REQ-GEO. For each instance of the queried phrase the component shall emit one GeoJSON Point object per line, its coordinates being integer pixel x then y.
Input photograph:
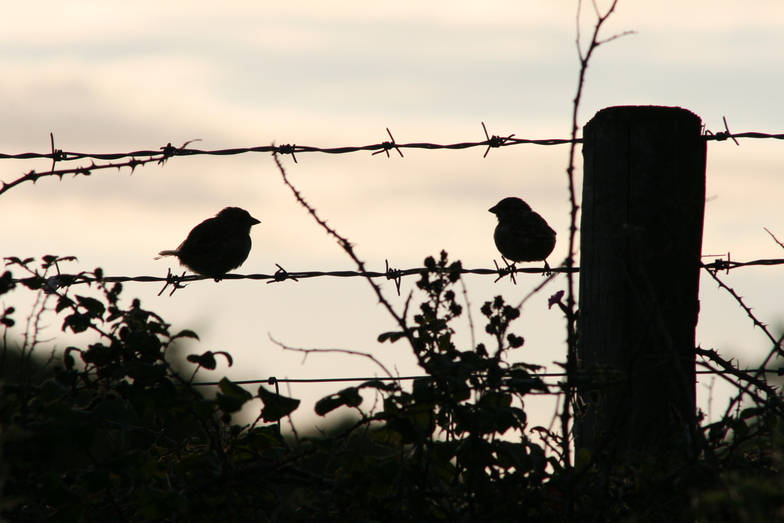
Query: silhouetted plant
{"type": "Point", "coordinates": [117, 433]}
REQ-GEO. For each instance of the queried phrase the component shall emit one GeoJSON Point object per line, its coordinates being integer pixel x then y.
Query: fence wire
{"type": "Point", "coordinates": [396, 275]}
{"type": "Point", "coordinates": [274, 381]}
{"type": "Point", "coordinates": [135, 159]}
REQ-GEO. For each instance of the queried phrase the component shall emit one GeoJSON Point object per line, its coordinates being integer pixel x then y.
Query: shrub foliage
{"type": "Point", "coordinates": [118, 430]}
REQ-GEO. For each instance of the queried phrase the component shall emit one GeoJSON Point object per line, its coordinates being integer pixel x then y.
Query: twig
{"type": "Point", "coordinates": [342, 351]}
{"type": "Point", "coordinates": [571, 327]}
{"type": "Point", "coordinates": [348, 248]}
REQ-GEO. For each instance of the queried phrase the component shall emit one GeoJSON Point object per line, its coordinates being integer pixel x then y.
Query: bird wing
{"type": "Point", "coordinates": [531, 226]}
{"type": "Point", "coordinates": [205, 237]}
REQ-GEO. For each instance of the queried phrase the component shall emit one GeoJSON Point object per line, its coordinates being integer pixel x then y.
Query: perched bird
{"type": "Point", "coordinates": [217, 245]}
{"type": "Point", "coordinates": [521, 234]}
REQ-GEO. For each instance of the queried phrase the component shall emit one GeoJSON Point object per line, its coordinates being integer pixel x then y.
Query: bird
{"type": "Point", "coordinates": [521, 234]}
{"type": "Point", "coordinates": [217, 245]}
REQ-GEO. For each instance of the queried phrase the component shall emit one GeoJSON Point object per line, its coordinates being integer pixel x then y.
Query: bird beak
{"type": "Point", "coordinates": [492, 209]}
{"type": "Point", "coordinates": [254, 222]}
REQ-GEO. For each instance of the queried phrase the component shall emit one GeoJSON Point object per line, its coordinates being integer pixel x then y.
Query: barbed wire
{"type": "Point", "coordinates": [491, 142]}
{"type": "Point", "coordinates": [281, 275]}
{"type": "Point", "coordinates": [169, 151]}
{"type": "Point", "coordinates": [160, 156]}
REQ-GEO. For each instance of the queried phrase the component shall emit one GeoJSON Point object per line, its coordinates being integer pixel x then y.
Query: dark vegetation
{"type": "Point", "coordinates": [118, 431]}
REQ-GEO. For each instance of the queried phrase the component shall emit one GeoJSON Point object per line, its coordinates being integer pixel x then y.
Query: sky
{"type": "Point", "coordinates": [121, 76]}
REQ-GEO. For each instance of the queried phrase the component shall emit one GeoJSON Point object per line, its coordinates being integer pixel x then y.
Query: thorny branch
{"type": "Point", "coordinates": [348, 248]}
{"type": "Point", "coordinates": [571, 302]}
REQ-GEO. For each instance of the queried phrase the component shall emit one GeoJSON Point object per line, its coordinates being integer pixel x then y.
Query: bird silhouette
{"type": "Point", "coordinates": [217, 245]}
{"type": "Point", "coordinates": [521, 234]}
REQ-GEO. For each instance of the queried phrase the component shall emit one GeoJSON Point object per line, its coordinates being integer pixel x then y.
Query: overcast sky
{"type": "Point", "coordinates": [122, 76]}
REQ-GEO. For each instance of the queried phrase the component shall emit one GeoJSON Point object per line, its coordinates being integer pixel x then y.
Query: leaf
{"type": "Point", "coordinates": [13, 260]}
{"type": "Point", "coordinates": [92, 305]}
{"type": "Point", "coordinates": [494, 400]}
{"type": "Point", "coordinates": [275, 405]}
{"type": "Point", "coordinates": [392, 337]}
{"type": "Point", "coordinates": [378, 384]}
{"type": "Point", "coordinates": [228, 404]}
{"type": "Point", "coordinates": [63, 303]}
{"type": "Point", "coordinates": [260, 438]}
{"type": "Point", "coordinates": [526, 385]}
{"type": "Point", "coordinates": [515, 341]}
{"type": "Point", "coordinates": [232, 389]}
{"type": "Point", "coordinates": [227, 356]}
{"type": "Point", "coordinates": [206, 360]}
{"type": "Point", "coordinates": [77, 322]}
{"type": "Point", "coordinates": [349, 397]}
{"type": "Point", "coordinates": [751, 412]}
{"type": "Point", "coordinates": [33, 283]}
{"type": "Point", "coordinates": [186, 334]}
{"type": "Point", "coordinates": [386, 435]}
{"type": "Point", "coordinates": [7, 282]}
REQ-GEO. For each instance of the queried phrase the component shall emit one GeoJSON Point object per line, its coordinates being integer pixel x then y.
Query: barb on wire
{"type": "Point", "coordinates": [170, 151]}
{"type": "Point", "coordinates": [174, 281]}
{"type": "Point", "coordinates": [389, 145]}
{"type": "Point", "coordinates": [503, 271]}
{"type": "Point", "coordinates": [494, 141]}
{"type": "Point", "coordinates": [722, 135]}
{"type": "Point", "coordinates": [282, 275]}
{"type": "Point", "coordinates": [288, 149]}
{"type": "Point", "coordinates": [57, 154]}
{"type": "Point", "coordinates": [727, 135]}
{"type": "Point", "coordinates": [394, 275]}
{"type": "Point", "coordinates": [719, 264]}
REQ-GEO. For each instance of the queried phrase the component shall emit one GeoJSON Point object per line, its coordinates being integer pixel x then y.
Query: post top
{"type": "Point", "coordinates": [644, 111]}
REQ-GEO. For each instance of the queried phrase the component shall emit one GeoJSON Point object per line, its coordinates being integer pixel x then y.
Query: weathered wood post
{"type": "Point", "coordinates": [641, 239]}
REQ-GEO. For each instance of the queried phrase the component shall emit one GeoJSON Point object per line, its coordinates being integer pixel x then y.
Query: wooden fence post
{"type": "Point", "coordinates": [641, 239]}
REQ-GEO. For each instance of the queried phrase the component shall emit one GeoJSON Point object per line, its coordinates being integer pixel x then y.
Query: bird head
{"type": "Point", "coordinates": [510, 207]}
{"type": "Point", "coordinates": [238, 216]}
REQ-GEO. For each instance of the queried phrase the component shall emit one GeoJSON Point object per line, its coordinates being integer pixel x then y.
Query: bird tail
{"type": "Point", "coordinates": [166, 253]}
